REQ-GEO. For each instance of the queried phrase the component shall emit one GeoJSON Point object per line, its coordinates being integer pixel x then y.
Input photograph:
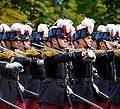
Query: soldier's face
{"type": "Point", "coordinates": [63, 42]}
{"type": "Point", "coordinates": [27, 44]}
{"type": "Point", "coordinates": [109, 45]}
{"type": "Point", "coordinates": [15, 44]}
{"type": "Point", "coordinates": [88, 41]}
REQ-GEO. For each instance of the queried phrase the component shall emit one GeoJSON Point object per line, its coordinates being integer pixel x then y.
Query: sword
{"type": "Point", "coordinates": [33, 93]}
{"type": "Point", "coordinates": [7, 102]}
{"type": "Point", "coordinates": [21, 87]}
{"type": "Point", "coordinates": [69, 90]}
{"type": "Point", "coordinates": [106, 96]}
{"type": "Point", "coordinates": [98, 91]}
{"type": "Point", "coordinates": [47, 48]}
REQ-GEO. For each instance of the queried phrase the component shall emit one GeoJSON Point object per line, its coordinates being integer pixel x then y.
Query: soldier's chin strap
{"type": "Point", "coordinates": [105, 45]}
{"type": "Point", "coordinates": [86, 43]}
{"type": "Point", "coordinates": [59, 43]}
{"type": "Point", "coordinates": [24, 46]}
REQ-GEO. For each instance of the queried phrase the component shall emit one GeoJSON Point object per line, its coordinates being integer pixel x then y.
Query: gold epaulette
{"type": "Point", "coordinates": [48, 53]}
{"type": "Point", "coordinates": [7, 54]}
{"type": "Point", "coordinates": [31, 52]}
{"type": "Point", "coordinates": [117, 52]}
{"type": "Point", "coordinates": [81, 49]}
{"type": "Point", "coordinates": [20, 52]}
{"type": "Point", "coordinates": [99, 51]}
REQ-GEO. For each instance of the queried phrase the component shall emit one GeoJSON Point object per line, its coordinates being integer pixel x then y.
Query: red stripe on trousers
{"type": "Point", "coordinates": [115, 106]}
{"type": "Point", "coordinates": [32, 104]}
{"type": "Point", "coordinates": [52, 106]}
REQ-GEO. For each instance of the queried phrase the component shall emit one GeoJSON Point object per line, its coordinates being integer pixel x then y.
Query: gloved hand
{"type": "Point", "coordinates": [14, 65]}
{"type": "Point", "coordinates": [69, 90]}
{"type": "Point", "coordinates": [91, 54]}
{"type": "Point", "coordinates": [96, 88]}
{"type": "Point", "coordinates": [21, 87]}
{"type": "Point", "coordinates": [37, 61]}
{"type": "Point", "coordinates": [40, 62]}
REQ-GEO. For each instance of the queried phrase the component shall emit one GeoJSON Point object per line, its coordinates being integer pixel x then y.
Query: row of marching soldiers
{"type": "Point", "coordinates": [58, 67]}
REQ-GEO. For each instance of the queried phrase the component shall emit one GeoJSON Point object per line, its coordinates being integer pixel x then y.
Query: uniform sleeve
{"type": "Point", "coordinates": [109, 54]}
{"type": "Point", "coordinates": [61, 58]}
{"type": "Point", "coordinates": [3, 64]}
{"type": "Point", "coordinates": [22, 60]}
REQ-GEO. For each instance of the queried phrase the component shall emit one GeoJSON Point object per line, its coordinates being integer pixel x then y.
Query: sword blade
{"type": "Point", "coordinates": [86, 101]}
{"type": "Point", "coordinates": [7, 102]}
{"type": "Point", "coordinates": [33, 93]}
{"type": "Point", "coordinates": [103, 94]}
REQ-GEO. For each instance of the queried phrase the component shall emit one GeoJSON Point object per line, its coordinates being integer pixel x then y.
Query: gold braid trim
{"type": "Point", "coordinates": [7, 55]}
{"type": "Point", "coordinates": [48, 53]}
{"type": "Point", "coordinates": [99, 51]}
{"type": "Point", "coordinates": [117, 52]}
{"type": "Point", "coordinates": [31, 52]}
{"type": "Point", "coordinates": [22, 53]}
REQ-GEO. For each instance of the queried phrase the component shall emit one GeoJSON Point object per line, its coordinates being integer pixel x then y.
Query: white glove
{"type": "Point", "coordinates": [21, 87]}
{"type": "Point", "coordinates": [91, 54]}
{"type": "Point", "coordinates": [69, 90]}
{"type": "Point", "coordinates": [94, 69]}
{"type": "Point", "coordinates": [96, 88]}
{"type": "Point", "coordinates": [40, 62]}
{"type": "Point", "coordinates": [13, 65]}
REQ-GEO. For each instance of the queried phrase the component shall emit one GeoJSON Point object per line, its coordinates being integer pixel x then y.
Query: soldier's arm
{"type": "Point", "coordinates": [60, 58]}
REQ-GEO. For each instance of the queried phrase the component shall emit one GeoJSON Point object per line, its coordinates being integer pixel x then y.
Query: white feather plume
{"type": "Point", "coordinates": [72, 30]}
{"type": "Point", "coordinates": [17, 27]}
{"type": "Point", "coordinates": [88, 23]}
{"type": "Point", "coordinates": [112, 28]}
{"type": "Point", "coordinates": [1, 29]}
{"type": "Point", "coordinates": [4, 28]}
{"type": "Point", "coordinates": [28, 28]}
{"type": "Point", "coordinates": [80, 26]}
{"type": "Point", "coordinates": [59, 20]}
{"type": "Point", "coordinates": [102, 28]}
{"type": "Point", "coordinates": [118, 30]}
{"type": "Point", "coordinates": [66, 23]}
{"type": "Point", "coordinates": [43, 28]}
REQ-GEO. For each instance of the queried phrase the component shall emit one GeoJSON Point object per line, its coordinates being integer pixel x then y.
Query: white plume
{"type": "Point", "coordinates": [4, 28]}
{"type": "Point", "coordinates": [88, 23]}
{"type": "Point", "coordinates": [102, 28]}
{"type": "Point", "coordinates": [43, 28]}
{"type": "Point", "coordinates": [72, 30]}
{"type": "Point", "coordinates": [70, 21]}
{"type": "Point", "coordinates": [118, 30]}
{"type": "Point", "coordinates": [28, 28]}
{"type": "Point", "coordinates": [80, 26]}
{"type": "Point", "coordinates": [59, 20]}
{"type": "Point", "coordinates": [17, 27]}
{"type": "Point", "coordinates": [65, 23]}
{"type": "Point", "coordinates": [112, 28]}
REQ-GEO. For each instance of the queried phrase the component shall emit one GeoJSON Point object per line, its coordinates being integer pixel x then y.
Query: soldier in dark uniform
{"type": "Point", "coordinates": [37, 75]}
{"type": "Point", "coordinates": [53, 94]}
{"type": "Point", "coordinates": [114, 98]}
{"type": "Point", "coordinates": [12, 40]}
{"type": "Point", "coordinates": [9, 86]}
{"type": "Point", "coordinates": [83, 70]}
{"type": "Point", "coordinates": [105, 66]}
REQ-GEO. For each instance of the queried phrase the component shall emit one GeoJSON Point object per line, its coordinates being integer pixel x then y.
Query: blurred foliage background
{"type": "Point", "coordinates": [43, 11]}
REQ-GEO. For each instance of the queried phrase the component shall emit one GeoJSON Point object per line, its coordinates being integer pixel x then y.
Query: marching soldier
{"type": "Point", "coordinates": [9, 86]}
{"type": "Point", "coordinates": [114, 98]}
{"type": "Point", "coordinates": [104, 65]}
{"type": "Point", "coordinates": [83, 67]}
{"type": "Point", "coordinates": [53, 94]}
